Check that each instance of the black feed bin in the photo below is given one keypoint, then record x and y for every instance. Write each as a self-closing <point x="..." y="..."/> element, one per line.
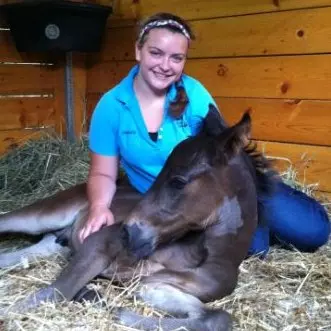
<point x="39" y="26"/>
<point x="58" y="26"/>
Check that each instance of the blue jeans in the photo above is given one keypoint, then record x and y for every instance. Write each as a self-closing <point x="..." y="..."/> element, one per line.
<point x="291" y="218"/>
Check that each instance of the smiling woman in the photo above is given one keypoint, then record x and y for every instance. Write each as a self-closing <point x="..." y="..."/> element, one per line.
<point x="156" y="103"/>
<point x="153" y="109"/>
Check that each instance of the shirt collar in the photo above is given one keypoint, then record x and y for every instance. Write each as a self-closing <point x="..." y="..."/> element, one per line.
<point x="125" y="91"/>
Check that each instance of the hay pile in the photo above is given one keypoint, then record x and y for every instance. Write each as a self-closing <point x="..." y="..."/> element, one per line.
<point x="288" y="291"/>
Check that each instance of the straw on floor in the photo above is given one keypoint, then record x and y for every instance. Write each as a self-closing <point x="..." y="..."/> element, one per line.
<point x="288" y="291"/>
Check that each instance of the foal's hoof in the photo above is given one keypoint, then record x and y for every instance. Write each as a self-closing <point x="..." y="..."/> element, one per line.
<point x="218" y="320"/>
<point x="125" y="317"/>
<point x="86" y="294"/>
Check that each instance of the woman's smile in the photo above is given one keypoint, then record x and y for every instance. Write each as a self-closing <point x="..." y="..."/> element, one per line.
<point x="161" y="76"/>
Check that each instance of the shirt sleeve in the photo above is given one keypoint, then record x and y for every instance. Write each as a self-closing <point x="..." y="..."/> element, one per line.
<point x="104" y="126"/>
<point x="199" y="101"/>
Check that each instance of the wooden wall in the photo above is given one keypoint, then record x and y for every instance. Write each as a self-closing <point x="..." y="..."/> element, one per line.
<point x="272" y="57"/>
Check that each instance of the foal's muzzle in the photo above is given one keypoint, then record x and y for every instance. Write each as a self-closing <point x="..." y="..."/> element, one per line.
<point x="140" y="239"/>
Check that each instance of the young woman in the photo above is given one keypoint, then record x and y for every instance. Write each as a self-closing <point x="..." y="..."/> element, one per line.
<point x="149" y="112"/>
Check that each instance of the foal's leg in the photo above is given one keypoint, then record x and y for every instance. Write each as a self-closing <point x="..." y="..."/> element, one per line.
<point x="95" y="254"/>
<point x="177" y="293"/>
<point x="192" y="314"/>
<point x="47" y="215"/>
<point x="44" y="248"/>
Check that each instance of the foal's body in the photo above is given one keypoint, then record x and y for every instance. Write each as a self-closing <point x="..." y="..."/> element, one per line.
<point x="193" y="227"/>
<point x="103" y="253"/>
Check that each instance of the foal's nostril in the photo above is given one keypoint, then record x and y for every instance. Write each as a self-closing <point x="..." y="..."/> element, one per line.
<point x="140" y="240"/>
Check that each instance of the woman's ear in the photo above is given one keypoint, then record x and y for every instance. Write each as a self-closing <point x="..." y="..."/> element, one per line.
<point x="137" y="52"/>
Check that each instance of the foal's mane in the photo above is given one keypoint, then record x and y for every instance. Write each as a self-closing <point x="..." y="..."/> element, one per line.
<point x="262" y="169"/>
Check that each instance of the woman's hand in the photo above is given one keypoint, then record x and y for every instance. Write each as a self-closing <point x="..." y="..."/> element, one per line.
<point x="98" y="217"/>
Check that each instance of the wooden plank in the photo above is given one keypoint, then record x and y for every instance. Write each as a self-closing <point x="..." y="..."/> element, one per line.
<point x="290" y="77"/>
<point x="305" y="122"/>
<point x="26" y="79"/>
<point x="116" y="23"/>
<point x="118" y="44"/>
<point x="297" y="77"/>
<point x="313" y="163"/>
<point x="20" y="113"/>
<point x="103" y="76"/>
<point x="15" y="138"/>
<point x="290" y="32"/>
<point x="297" y="121"/>
<point x="197" y="9"/>
<point x="124" y="9"/>
<point x="91" y="101"/>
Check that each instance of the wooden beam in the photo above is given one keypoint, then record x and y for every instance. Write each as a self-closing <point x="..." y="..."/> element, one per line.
<point x="197" y="9"/>
<point x="105" y="75"/>
<point x="284" y="77"/>
<point x="21" y="113"/>
<point x="296" y="121"/>
<point x="26" y="79"/>
<point x="313" y="163"/>
<point x="290" y="32"/>
<point x="297" y="77"/>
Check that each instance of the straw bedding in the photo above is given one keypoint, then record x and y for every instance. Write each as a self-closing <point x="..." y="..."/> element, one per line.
<point x="287" y="291"/>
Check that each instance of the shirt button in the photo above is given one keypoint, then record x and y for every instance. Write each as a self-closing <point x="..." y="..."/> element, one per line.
<point x="161" y="129"/>
<point x="160" y="136"/>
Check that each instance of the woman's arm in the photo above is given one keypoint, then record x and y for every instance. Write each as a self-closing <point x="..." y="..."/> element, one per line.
<point x="101" y="187"/>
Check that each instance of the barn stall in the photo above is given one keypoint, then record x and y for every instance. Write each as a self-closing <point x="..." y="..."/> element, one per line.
<point x="268" y="56"/>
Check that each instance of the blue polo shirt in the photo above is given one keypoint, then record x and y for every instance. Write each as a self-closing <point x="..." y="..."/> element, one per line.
<point x="118" y="128"/>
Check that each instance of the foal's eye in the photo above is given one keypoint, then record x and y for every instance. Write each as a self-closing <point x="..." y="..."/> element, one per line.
<point x="178" y="182"/>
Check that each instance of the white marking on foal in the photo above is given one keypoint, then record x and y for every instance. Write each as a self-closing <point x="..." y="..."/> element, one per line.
<point x="229" y="217"/>
<point x="171" y="299"/>
<point x="45" y="247"/>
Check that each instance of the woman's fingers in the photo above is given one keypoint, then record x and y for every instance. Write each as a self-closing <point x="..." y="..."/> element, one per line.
<point x="84" y="232"/>
<point x="95" y="224"/>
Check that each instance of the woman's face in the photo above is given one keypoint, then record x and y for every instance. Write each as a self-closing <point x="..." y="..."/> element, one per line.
<point x="162" y="58"/>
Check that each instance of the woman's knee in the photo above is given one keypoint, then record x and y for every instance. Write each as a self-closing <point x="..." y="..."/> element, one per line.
<point x="295" y="218"/>
<point x="260" y="242"/>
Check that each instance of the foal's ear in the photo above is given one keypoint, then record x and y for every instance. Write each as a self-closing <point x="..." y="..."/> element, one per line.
<point x="239" y="134"/>
<point x="213" y="123"/>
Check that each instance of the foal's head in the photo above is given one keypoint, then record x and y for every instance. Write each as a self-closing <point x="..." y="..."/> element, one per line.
<point x="203" y="174"/>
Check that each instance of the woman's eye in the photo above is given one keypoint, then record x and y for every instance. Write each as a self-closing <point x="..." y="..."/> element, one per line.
<point x="178" y="59"/>
<point x="155" y="54"/>
<point x="178" y="182"/>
